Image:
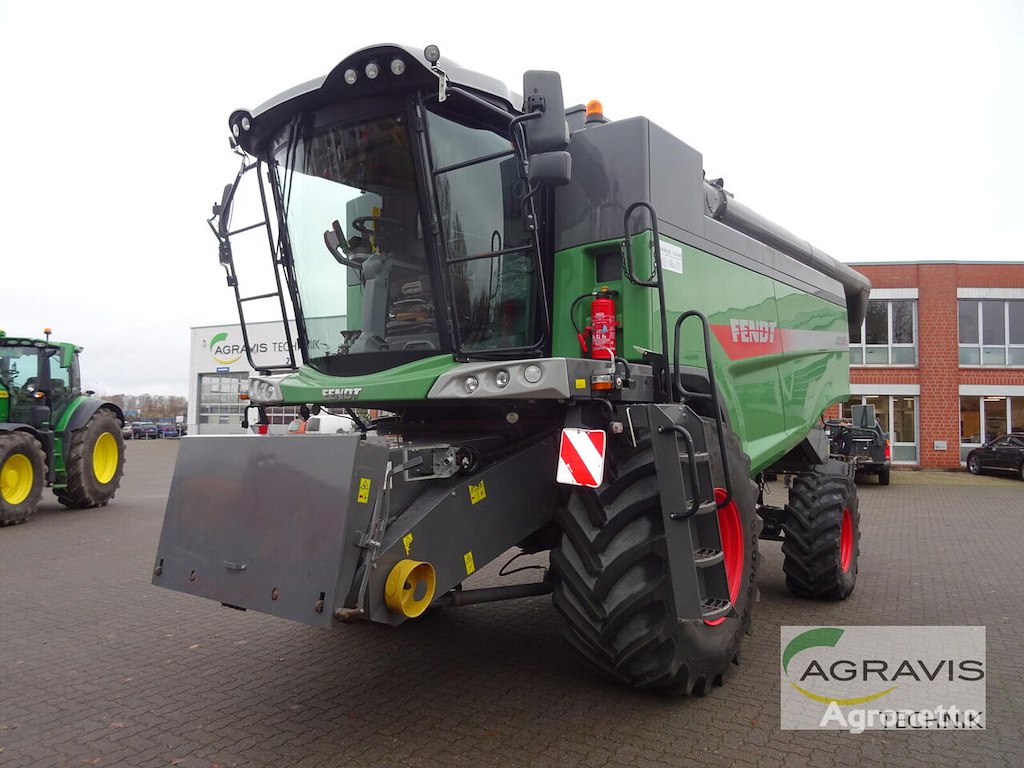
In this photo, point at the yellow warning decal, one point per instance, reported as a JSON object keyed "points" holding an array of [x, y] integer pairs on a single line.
{"points": [[470, 567], [407, 541], [3, 394], [581, 383], [364, 490], [477, 492]]}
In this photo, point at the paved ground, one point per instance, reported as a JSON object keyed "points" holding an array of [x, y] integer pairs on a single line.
{"points": [[97, 667]]}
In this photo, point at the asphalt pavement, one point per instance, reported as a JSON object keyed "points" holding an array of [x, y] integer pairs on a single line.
{"points": [[99, 667]]}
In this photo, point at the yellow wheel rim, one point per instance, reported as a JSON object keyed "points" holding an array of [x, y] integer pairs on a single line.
{"points": [[16, 478], [105, 458]]}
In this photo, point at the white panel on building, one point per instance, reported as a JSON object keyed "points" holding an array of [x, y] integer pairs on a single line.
{"points": [[219, 372]]}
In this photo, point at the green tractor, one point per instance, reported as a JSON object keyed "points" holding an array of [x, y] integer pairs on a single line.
{"points": [[51, 433], [575, 346]]}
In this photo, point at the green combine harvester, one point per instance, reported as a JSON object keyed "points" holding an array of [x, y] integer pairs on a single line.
{"points": [[51, 433], [575, 344]]}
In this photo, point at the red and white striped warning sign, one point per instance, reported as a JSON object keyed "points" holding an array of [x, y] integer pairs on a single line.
{"points": [[581, 457]]}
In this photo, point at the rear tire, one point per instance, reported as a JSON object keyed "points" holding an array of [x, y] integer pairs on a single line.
{"points": [[612, 584], [883, 477], [95, 462], [22, 475], [821, 547]]}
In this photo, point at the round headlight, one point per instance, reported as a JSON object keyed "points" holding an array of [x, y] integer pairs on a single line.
{"points": [[472, 383], [351, 76], [397, 66], [246, 124], [533, 373], [501, 378], [234, 130], [372, 70]]}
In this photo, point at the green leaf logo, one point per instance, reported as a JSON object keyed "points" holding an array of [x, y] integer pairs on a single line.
{"points": [[217, 353], [822, 637]]}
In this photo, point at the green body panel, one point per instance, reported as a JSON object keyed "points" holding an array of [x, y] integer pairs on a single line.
{"points": [[773, 392], [5, 405], [411, 381], [60, 426]]}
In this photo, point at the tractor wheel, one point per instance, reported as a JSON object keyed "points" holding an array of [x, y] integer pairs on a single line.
{"points": [[822, 537], [883, 477], [612, 583], [95, 462], [22, 474]]}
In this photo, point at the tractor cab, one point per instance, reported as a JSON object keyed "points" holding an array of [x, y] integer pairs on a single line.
{"points": [[37, 379], [406, 219]]}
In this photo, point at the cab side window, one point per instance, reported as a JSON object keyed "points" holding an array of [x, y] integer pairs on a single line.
{"points": [[59, 376]]}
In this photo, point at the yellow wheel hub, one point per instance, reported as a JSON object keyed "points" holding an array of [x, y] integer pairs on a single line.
{"points": [[16, 479], [105, 458]]}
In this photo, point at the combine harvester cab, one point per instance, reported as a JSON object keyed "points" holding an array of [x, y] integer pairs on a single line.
{"points": [[554, 336]]}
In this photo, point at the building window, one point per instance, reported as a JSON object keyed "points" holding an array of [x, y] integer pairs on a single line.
{"points": [[983, 419], [897, 414], [991, 332], [220, 408], [888, 335]]}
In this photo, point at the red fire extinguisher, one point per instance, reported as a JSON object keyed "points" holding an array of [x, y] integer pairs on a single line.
{"points": [[602, 325]]}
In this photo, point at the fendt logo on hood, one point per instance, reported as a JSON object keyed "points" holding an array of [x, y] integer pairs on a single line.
{"points": [[341, 393]]}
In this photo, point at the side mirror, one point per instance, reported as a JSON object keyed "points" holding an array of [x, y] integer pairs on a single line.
{"points": [[542, 94], [255, 415], [551, 169], [222, 210]]}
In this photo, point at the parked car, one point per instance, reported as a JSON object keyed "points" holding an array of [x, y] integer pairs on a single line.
{"points": [[144, 430], [321, 424], [165, 429], [1004, 454], [128, 430]]}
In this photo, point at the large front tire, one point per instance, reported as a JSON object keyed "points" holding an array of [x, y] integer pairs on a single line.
{"points": [[821, 547], [95, 462], [612, 582], [22, 474]]}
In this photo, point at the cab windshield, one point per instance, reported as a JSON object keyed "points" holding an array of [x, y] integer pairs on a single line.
{"points": [[370, 294], [351, 208]]}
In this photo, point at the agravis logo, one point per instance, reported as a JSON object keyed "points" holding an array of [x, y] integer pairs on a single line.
{"points": [[824, 637], [924, 677], [225, 353]]}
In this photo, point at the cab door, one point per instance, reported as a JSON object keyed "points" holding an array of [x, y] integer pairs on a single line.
{"points": [[64, 386], [21, 377]]}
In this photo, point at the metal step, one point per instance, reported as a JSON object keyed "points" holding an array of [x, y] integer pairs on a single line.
{"points": [[712, 608], [682, 443], [705, 558]]}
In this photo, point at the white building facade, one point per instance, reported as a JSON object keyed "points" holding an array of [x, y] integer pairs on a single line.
{"points": [[219, 372]]}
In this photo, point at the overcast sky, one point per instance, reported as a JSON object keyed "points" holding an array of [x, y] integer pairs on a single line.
{"points": [[878, 131]]}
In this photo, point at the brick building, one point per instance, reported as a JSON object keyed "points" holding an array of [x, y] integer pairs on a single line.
{"points": [[941, 356]]}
